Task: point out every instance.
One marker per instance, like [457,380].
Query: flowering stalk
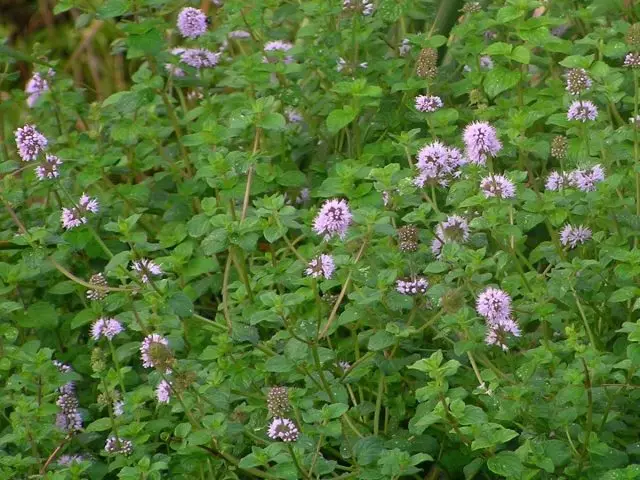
[636,146]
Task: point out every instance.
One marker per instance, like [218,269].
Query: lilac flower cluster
[106,327]
[49,169]
[404,48]
[97,294]
[321,266]
[412,286]
[77,215]
[283,429]
[199,58]
[163,392]
[363,6]
[333,219]
[278,47]
[192,22]
[30,142]
[37,85]
[438,164]
[632,60]
[293,115]
[497,186]
[145,269]
[278,401]
[495,306]
[582,111]
[428,103]
[67,460]
[68,418]
[481,141]
[342,65]
[583,179]
[578,81]
[573,236]
[155,353]
[118,445]
[455,229]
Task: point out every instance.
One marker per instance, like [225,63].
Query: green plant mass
[319,239]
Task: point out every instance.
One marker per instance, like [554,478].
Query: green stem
[117,365]
[376,415]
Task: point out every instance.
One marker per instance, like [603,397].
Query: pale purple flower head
[163,392]
[118,407]
[154,351]
[573,236]
[118,445]
[344,365]
[68,418]
[199,58]
[293,115]
[454,230]
[321,266]
[37,85]
[333,218]
[497,186]
[481,141]
[283,429]
[486,63]
[578,81]
[405,47]
[69,387]
[438,164]
[49,169]
[106,327]
[30,142]
[494,305]
[77,215]
[632,60]
[146,268]
[428,103]
[98,293]
[412,286]
[239,34]
[587,179]
[582,111]
[363,6]
[278,47]
[557,181]
[192,22]
[497,332]
[303,196]
[67,460]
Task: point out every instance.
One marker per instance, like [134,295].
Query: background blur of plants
[337,239]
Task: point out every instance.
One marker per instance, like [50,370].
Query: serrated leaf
[500,79]
[340,118]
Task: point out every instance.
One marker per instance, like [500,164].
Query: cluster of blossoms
[404,48]
[37,85]
[293,115]
[278,401]
[30,142]
[99,281]
[632,38]
[49,169]
[428,103]
[118,445]
[573,236]
[155,353]
[582,179]
[333,219]
[427,63]
[364,6]
[163,392]
[412,286]
[344,365]
[408,238]
[67,460]
[279,48]
[438,164]
[283,429]
[77,215]
[239,34]
[497,186]
[106,327]
[146,268]
[559,147]
[485,62]
[481,141]
[582,111]
[343,66]
[495,306]
[632,60]
[197,58]
[321,266]
[454,230]
[192,22]
[578,81]
[68,418]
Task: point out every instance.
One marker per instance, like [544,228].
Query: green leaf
[498,48]
[273,121]
[623,294]
[112,8]
[577,61]
[279,364]
[99,425]
[334,410]
[521,54]
[82,318]
[381,340]
[39,315]
[340,118]
[181,304]
[506,464]
[508,14]
[500,79]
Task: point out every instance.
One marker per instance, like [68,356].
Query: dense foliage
[322,239]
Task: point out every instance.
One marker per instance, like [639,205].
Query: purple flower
[494,305]
[49,168]
[363,6]
[557,181]
[30,142]
[118,408]
[97,294]
[497,186]
[480,141]
[632,60]
[68,418]
[237,34]
[454,230]
[344,365]
[412,286]
[155,353]
[438,164]
[321,266]
[279,47]
[76,216]
[163,392]
[192,22]
[578,81]
[36,86]
[404,48]
[587,179]
[69,387]
[199,58]
[428,103]
[582,111]
[334,218]
[106,327]
[67,460]
[283,429]
[498,331]
[118,445]
[486,63]
[146,268]
[573,236]
[293,115]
